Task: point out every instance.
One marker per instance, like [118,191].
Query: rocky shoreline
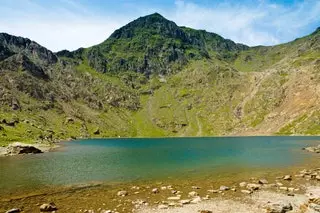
[18,148]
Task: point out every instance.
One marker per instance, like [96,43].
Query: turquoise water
[120,160]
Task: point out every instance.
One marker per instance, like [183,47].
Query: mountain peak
[153,22]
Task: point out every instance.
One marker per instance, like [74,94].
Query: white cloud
[71,25]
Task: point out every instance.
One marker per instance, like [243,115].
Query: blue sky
[70,24]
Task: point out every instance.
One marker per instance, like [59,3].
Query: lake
[121,160]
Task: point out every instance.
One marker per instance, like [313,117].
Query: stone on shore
[193,194]
[48,207]
[196,200]
[263,181]
[253,186]
[243,184]
[287,177]
[184,202]
[224,188]
[13,210]
[122,193]
[162,206]
[174,198]
[155,190]
[246,191]
[279,207]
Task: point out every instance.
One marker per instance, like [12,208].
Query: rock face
[20,148]
[48,207]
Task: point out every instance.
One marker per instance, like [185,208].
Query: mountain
[153,44]
[152,78]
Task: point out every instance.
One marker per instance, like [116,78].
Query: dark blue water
[119,160]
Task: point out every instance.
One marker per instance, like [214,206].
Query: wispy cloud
[262,23]
[70,24]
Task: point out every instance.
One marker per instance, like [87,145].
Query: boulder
[97,131]
[122,193]
[13,210]
[48,207]
[20,148]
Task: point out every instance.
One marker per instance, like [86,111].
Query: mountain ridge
[149,81]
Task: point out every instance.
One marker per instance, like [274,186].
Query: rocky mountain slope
[152,78]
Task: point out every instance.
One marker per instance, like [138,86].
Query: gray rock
[48,207]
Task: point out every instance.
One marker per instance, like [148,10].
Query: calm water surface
[120,160]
